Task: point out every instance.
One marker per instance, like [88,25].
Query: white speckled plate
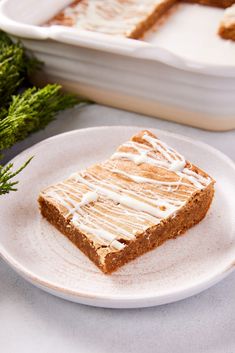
[176,270]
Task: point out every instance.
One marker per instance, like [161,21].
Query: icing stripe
[123,199]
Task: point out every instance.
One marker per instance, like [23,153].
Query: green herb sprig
[27,112]
[6,176]
[33,110]
[15,66]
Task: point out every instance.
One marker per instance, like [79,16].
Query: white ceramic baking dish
[141,76]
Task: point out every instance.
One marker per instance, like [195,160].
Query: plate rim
[125,300]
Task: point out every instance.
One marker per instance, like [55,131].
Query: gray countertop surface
[33,321]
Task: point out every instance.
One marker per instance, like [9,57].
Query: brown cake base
[227,32]
[145,25]
[192,213]
[216,3]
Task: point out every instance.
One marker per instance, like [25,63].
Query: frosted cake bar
[128,18]
[131,18]
[131,203]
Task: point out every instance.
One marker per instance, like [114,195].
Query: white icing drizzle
[160,147]
[124,199]
[173,160]
[121,209]
[102,234]
[140,179]
[73,207]
[196,179]
[177,166]
[108,222]
[157,201]
[90,196]
[140,157]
